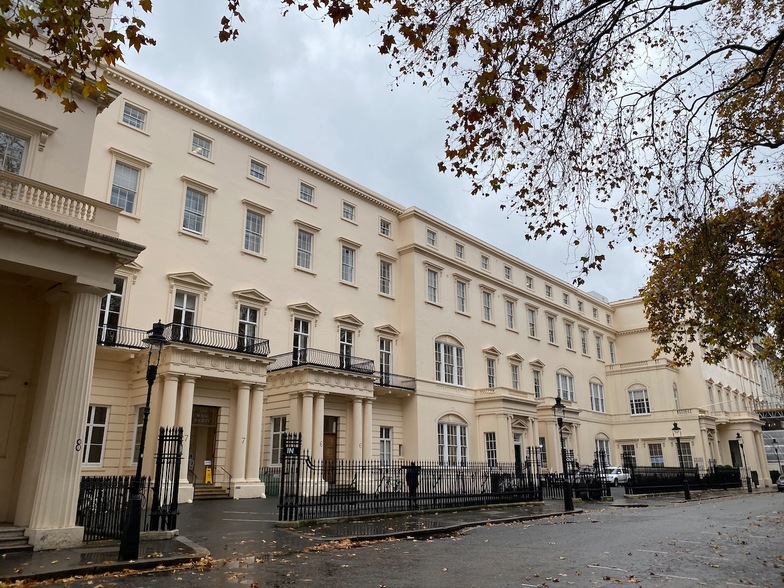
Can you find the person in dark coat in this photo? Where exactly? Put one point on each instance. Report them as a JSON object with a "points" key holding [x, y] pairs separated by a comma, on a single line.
{"points": [[412, 481]]}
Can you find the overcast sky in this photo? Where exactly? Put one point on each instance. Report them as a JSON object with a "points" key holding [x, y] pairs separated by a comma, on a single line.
{"points": [[327, 93]]}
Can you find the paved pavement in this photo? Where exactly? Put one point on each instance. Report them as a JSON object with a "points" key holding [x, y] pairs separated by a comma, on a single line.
{"points": [[223, 529]]}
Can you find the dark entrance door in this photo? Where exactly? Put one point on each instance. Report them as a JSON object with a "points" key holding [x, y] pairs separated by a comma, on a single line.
{"points": [[330, 448], [204, 428]]}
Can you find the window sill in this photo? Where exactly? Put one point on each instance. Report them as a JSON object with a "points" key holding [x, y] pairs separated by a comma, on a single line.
{"points": [[572, 349], [487, 322], [185, 233], [197, 156], [431, 303], [387, 296], [348, 220], [311, 204], [304, 270], [553, 344], [137, 129], [259, 181], [254, 254], [534, 337], [348, 284], [130, 215], [640, 414]]}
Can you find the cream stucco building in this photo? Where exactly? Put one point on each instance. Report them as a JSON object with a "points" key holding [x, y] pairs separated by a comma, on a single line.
{"points": [[304, 302]]}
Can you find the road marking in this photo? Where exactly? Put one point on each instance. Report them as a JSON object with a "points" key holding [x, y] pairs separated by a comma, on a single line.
{"points": [[687, 541], [653, 551], [608, 568], [239, 512], [679, 577], [707, 556]]}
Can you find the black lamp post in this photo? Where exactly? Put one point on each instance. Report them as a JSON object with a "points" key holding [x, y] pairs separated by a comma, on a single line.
{"points": [[744, 463], [775, 444], [559, 410], [676, 431], [129, 544]]}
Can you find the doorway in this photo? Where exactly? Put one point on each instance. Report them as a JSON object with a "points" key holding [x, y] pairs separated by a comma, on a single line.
{"points": [[201, 452], [330, 448]]}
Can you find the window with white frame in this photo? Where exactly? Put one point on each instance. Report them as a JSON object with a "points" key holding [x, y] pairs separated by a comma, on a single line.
{"points": [[248, 328], [125, 186], [515, 373], [507, 272], [656, 454], [675, 396], [599, 346], [565, 385], [569, 331], [638, 401], [452, 444], [95, 435], [109, 317], [195, 211], [603, 448], [491, 449], [257, 171], [566, 299], [277, 430], [385, 356], [459, 250], [688, 460], [184, 315], [551, 337], [254, 231], [432, 238], [490, 364], [529, 282], [306, 192], [346, 348], [595, 312], [201, 146], [432, 286], [609, 318], [385, 445], [135, 117], [548, 290], [531, 322], [536, 373], [580, 305], [584, 341], [543, 451], [449, 362], [384, 227], [461, 296], [137, 434], [612, 352], [349, 212], [385, 277], [304, 249], [511, 319], [348, 259], [485, 262], [301, 340], [487, 306], [629, 455], [597, 395]]}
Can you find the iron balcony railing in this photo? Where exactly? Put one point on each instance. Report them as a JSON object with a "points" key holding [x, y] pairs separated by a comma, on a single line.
{"points": [[181, 333], [388, 380], [320, 358]]}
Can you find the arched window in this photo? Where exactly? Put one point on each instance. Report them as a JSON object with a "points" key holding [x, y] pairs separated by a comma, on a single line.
{"points": [[449, 361], [565, 385], [638, 400], [597, 395], [452, 441]]}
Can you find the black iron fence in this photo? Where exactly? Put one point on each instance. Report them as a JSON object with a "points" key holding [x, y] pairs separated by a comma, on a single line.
{"points": [[388, 380], [334, 488], [121, 337], [102, 508], [103, 505], [655, 480], [215, 339], [321, 358]]}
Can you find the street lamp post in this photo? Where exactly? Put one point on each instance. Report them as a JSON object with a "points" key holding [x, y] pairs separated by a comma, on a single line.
{"points": [[744, 463], [676, 431], [129, 544], [559, 410], [775, 444]]}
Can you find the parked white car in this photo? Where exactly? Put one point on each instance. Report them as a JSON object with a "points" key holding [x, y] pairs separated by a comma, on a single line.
{"points": [[616, 475]]}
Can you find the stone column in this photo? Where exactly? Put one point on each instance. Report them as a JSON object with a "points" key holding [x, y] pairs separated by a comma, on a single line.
{"points": [[184, 420], [63, 396], [254, 434], [240, 436], [318, 428], [171, 384], [307, 422], [356, 429], [367, 430], [294, 422]]}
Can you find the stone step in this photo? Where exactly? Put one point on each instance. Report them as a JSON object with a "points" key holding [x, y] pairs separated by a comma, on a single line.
{"points": [[209, 492], [13, 539]]}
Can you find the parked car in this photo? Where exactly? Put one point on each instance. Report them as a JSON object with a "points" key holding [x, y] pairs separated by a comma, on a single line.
{"points": [[616, 475], [780, 483]]}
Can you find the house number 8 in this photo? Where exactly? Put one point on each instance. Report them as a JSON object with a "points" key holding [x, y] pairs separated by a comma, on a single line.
{"points": [[78, 446]]}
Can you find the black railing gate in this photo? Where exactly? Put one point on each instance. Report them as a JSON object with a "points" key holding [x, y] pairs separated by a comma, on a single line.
{"points": [[288, 500], [165, 492]]}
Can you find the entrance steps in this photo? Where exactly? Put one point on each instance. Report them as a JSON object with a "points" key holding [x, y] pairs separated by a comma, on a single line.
{"points": [[13, 539], [209, 492]]}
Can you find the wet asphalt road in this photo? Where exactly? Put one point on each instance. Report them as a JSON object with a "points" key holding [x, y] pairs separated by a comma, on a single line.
{"points": [[737, 541]]}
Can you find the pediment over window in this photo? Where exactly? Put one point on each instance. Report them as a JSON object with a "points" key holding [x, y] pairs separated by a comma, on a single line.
{"points": [[387, 330], [491, 351], [304, 308], [536, 363], [519, 423], [349, 320], [251, 295], [515, 357], [189, 280]]}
